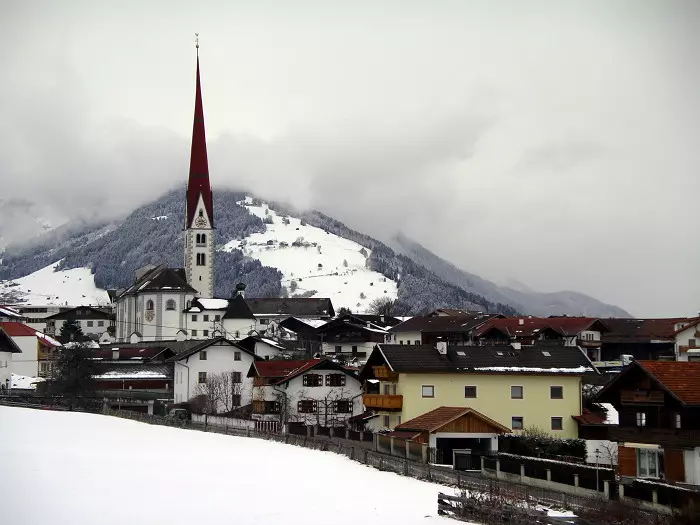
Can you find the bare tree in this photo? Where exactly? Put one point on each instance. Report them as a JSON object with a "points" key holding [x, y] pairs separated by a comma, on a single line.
{"points": [[220, 392]]}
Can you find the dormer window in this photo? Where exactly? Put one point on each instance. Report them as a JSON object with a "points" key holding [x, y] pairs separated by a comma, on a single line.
{"points": [[201, 213]]}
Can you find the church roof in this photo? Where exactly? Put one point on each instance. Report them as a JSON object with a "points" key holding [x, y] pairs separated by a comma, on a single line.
{"points": [[238, 309], [198, 183], [160, 279]]}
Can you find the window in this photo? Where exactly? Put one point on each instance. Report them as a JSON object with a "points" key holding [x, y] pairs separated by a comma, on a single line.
{"points": [[354, 349], [385, 421], [641, 419], [205, 333], [264, 321], [516, 423], [205, 318], [401, 342], [202, 377], [236, 377], [203, 355], [343, 406], [236, 400], [204, 238], [194, 333], [389, 389], [149, 305], [201, 259], [201, 239], [408, 342], [470, 392], [427, 391], [556, 392], [647, 463], [237, 356], [201, 213], [516, 392], [89, 323], [194, 318], [557, 423], [313, 380], [691, 343], [677, 421], [217, 318], [100, 323], [307, 406], [335, 380], [338, 349], [417, 342]]}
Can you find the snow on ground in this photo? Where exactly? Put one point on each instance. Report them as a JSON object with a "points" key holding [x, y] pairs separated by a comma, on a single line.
{"points": [[25, 382], [112, 471], [73, 287], [352, 286]]}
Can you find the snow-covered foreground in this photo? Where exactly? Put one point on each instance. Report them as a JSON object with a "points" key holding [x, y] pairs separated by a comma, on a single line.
{"points": [[316, 260], [65, 468], [73, 287]]}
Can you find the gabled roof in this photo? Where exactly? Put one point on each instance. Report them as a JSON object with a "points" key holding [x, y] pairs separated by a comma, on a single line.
{"points": [[535, 359], [161, 279], [249, 342], [641, 330], [135, 353], [590, 418], [441, 416], [694, 321], [281, 371], [7, 344], [445, 323], [203, 345], [292, 306], [382, 321], [9, 311], [81, 312], [352, 322], [238, 308], [16, 329], [118, 372]]}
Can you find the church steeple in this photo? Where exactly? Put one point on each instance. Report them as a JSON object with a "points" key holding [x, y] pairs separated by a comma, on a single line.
{"points": [[199, 213]]}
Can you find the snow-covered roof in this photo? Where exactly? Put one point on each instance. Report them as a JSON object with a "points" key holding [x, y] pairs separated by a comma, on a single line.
{"points": [[213, 304], [24, 382], [314, 323], [10, 312], [272, 343], [47, 339], [574, 370], [136, 374]]}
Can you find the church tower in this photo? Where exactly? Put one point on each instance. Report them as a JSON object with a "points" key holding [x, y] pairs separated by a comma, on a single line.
{"points": [[199, 213]]}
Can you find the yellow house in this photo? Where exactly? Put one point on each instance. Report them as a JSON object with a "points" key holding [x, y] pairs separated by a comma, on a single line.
{"points": [[518, 387]]}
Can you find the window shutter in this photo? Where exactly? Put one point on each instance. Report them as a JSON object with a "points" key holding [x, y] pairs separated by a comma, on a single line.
{"points": [[305, 381]]}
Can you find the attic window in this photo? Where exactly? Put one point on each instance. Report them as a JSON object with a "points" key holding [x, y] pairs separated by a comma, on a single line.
{"points": [[546, 354]]}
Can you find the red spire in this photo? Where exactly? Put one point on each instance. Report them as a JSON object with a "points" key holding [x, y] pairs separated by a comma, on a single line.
{"points": [[198, 183]]}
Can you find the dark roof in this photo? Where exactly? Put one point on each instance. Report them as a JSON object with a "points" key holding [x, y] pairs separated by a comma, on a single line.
{"points": [[161, 278], [135, 353], [590, 418], [7, 344], [445, 323], [250, 341], [175, 346], [383, 321], [284, 370], [82, 312], [450, 311], [145, 372], [680, 378], [238, 308], [293, 306], [203, 345], [350, 321], [532, 326], [692, 321], [482, 359], [441, 416], [641, 330]]}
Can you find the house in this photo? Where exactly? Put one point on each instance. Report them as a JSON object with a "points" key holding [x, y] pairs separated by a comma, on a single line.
{"points": [[38, 349], [658, 434], [644, 339], [268, 309], [453, 429], [153, 307], [687, 336], [265, 348], [8, 313], [7, 348], [349, 337], [518, 387], [93, 322], [303, 332], [428, 330], [208, 318], [217, 369], [312, 392]]}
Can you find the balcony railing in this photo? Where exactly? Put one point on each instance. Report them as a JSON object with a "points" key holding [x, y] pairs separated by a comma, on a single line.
{"points": [[383, 401], [588, 343], [631, 397], [384, 374], [658, 436]]}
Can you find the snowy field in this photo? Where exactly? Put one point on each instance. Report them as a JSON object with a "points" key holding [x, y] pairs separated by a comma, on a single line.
{"points": [[352, 286], [65, 468], [73, 287]]}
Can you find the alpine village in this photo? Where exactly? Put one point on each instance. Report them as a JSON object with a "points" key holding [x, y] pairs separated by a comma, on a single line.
{"points": [[563, 408]]}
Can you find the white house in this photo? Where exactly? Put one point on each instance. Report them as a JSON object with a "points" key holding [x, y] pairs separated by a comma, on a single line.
{"points": [[229, 318], [202, 368], [312, 392], [92, 321], [7, 313], [36, 349], [7, 349], [687, 337]]}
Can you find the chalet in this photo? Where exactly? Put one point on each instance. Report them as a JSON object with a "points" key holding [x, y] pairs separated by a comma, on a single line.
{"points": [[39, 350], [687, 336], [518, 387], [7, 348], [645, 339], [658, 434], [267, 309], [349, 337], [428, 330], [93, 322], [311, 391]]}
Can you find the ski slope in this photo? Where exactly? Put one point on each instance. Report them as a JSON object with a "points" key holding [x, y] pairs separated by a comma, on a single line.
{"points": [[332, 266], [47, 286], [100, 469]]}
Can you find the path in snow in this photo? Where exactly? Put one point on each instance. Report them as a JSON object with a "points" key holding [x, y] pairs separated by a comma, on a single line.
{"points": [[66, 468]]}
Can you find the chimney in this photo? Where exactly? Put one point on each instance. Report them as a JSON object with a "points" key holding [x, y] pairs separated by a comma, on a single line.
{"points": [[368, 324], [521, 322], [516, 346], [441, 347]]}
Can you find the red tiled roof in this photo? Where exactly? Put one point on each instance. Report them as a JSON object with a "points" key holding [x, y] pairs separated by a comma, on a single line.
{"points": [[693, 321], [15, 329], [680, 377], [590, 418], [440, 416], [573, 325]]}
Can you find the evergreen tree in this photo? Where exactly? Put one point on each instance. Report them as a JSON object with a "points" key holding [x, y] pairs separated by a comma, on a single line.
{"points": [[71, 331], [73, 376]]}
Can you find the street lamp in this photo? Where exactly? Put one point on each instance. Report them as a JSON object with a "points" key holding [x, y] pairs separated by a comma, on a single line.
{"points": [[597, 455]]}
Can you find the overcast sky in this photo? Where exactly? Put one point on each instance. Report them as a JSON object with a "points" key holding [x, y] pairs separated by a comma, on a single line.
{"points": [[556, 143]]}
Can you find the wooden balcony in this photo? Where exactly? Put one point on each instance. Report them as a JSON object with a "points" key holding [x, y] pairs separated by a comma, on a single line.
{"points": [[384, 374], [632, 397], [588, 343], [382, 401], [666, 437]]}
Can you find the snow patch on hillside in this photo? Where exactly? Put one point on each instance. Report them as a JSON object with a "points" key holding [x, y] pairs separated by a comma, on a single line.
{"points": [[72, 287], [315, 260]]}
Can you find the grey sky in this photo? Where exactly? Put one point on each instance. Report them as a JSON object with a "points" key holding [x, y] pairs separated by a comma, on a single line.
{"points": [[551, 142]]}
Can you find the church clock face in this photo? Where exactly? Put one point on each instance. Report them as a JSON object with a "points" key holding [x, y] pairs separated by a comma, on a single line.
{"points": [[200, 222]]}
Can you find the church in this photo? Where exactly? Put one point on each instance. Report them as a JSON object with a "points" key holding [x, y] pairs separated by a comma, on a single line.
{"points": [[176, 303]]}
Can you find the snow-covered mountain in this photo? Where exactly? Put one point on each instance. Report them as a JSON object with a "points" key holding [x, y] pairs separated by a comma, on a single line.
{"points": [[22, 219]]}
